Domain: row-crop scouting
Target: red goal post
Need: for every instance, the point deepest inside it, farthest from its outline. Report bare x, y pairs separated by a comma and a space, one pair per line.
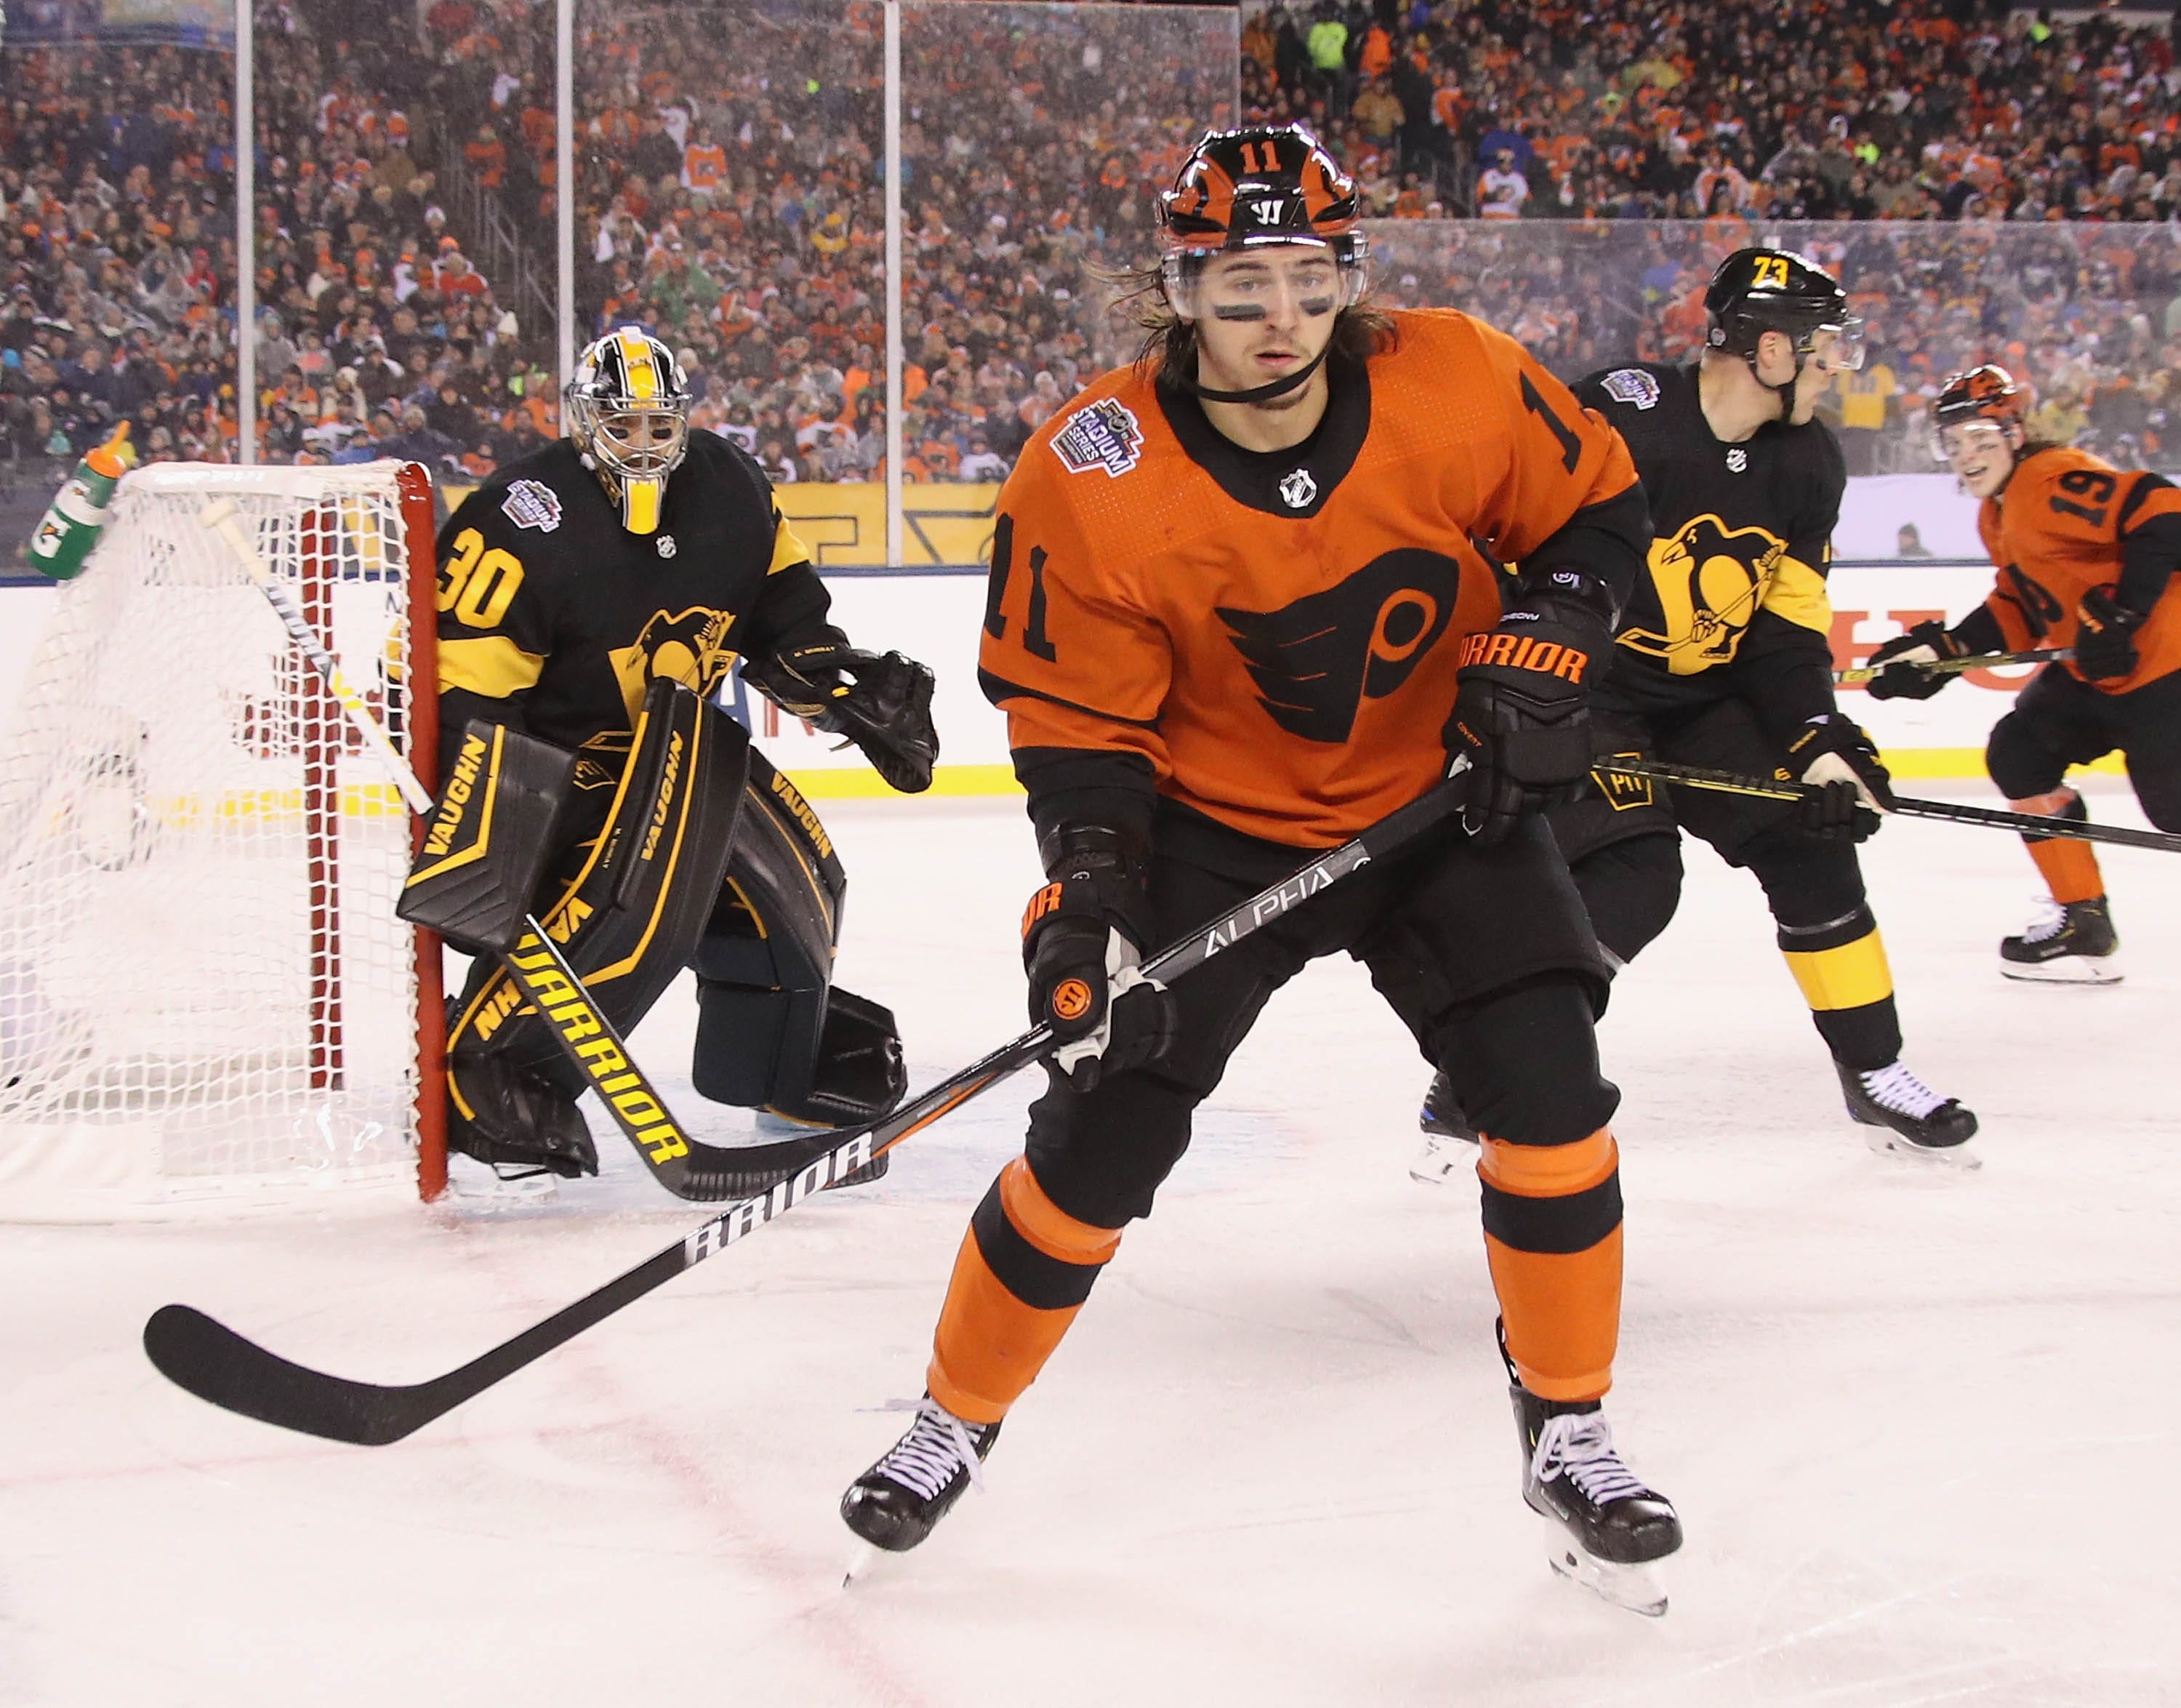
206, 998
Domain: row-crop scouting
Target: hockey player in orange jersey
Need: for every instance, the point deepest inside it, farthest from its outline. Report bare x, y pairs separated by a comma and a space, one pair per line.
2086, 557
1240, 608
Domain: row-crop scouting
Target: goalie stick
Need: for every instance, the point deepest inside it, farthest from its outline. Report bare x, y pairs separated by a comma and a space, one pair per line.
689, 1167
1954, 667
2027, 823
213, 1362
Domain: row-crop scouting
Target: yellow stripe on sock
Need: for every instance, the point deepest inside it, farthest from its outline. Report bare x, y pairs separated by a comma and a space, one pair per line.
1848, 977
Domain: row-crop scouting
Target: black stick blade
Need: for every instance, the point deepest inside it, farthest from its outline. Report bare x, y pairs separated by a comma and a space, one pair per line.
213, 1362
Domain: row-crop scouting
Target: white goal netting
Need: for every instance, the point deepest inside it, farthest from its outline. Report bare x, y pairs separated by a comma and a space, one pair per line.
204, 993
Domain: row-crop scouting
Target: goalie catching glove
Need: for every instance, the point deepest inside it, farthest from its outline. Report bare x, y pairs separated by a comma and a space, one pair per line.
881, 702
1082, 934
1521, 712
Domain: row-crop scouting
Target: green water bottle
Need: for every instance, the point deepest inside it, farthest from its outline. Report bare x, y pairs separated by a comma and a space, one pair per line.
70, 529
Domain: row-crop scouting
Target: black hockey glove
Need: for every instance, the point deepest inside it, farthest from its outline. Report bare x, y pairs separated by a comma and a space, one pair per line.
1848, 786
2105, 636
1081, 943
881, 702
1897, 661
1520, 727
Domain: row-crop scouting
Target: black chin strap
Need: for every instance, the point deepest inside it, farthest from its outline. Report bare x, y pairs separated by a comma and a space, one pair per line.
1258, 394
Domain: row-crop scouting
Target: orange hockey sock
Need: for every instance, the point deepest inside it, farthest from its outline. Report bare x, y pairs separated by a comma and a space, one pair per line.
2070, 867
1024, 1271
1552, 1235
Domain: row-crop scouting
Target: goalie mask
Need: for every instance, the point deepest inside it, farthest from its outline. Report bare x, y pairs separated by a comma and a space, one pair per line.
1252, 189
628, 412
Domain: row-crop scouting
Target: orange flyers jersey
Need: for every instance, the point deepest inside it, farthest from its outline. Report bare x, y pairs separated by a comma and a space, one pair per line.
2059, 528
1276, 634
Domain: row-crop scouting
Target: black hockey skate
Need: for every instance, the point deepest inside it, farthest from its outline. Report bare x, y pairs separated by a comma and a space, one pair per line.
916, 1482
1907, 1116
2070, 944
1446, 1131
1610, 1524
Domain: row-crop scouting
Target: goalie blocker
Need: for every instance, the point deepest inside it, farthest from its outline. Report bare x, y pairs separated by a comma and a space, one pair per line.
703, 857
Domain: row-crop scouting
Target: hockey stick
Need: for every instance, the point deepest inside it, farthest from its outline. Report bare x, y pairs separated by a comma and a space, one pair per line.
1954, 667
687, 1168
217, 1364
2027, 823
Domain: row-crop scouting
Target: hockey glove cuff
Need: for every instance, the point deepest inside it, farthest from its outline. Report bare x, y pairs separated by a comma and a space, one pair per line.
2105, 636
1848, 786
1927, 643
1521, 713
881, 702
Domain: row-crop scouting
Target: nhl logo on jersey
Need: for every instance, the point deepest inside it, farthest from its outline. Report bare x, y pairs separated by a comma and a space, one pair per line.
1737, 460
666, 545
1632, 385
1104, 435
532, 504
1297, 487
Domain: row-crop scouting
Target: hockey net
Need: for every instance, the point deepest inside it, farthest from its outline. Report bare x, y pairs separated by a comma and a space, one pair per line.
205, 996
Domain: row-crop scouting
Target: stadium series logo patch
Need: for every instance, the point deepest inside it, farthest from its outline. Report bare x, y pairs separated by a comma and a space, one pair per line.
1632, 385
532, 504
1104, 435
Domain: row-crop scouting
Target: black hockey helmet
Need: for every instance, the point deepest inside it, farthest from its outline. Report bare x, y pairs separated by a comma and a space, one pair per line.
1754, 291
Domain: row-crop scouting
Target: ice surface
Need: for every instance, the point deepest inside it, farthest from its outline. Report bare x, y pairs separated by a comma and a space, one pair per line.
1919, 1423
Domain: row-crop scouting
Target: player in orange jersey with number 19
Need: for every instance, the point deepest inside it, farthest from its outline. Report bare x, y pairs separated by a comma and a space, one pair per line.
1246, 600
2086, 557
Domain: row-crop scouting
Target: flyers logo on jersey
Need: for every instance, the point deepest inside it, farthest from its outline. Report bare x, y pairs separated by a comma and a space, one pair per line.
1103, 435
1316, 660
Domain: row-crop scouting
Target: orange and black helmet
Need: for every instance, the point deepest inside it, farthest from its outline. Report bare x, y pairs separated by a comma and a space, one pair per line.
1986, 395
1263, 184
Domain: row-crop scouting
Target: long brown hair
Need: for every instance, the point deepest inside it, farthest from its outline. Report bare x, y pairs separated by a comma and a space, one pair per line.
1360, 331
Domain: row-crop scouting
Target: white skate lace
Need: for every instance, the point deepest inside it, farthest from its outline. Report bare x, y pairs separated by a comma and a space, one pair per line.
1580, 1445
937, 1445
1897, 1089
2051, 919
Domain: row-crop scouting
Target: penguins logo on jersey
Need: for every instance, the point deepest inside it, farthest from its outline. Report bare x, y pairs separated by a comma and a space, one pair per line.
688, 647
1316, 660
1708, 579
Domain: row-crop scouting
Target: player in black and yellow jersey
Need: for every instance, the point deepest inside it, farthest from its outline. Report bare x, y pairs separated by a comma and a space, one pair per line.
631, 551
1724, 661
1237, 614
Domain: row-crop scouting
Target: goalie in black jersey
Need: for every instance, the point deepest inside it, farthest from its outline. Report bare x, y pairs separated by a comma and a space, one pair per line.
1724, 661
633, 552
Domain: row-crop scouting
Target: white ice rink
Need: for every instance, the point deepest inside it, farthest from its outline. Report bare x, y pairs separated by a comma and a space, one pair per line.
1920, 1425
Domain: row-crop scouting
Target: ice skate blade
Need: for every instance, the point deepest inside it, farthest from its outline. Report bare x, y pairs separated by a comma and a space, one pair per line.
2066, 970
1888, 1143
476, 1186
1439, 1160
1634, 1588
862, 1564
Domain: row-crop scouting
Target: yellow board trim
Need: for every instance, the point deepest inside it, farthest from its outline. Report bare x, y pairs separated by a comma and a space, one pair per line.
492, 666
859, 782
1854, 976
1967, 761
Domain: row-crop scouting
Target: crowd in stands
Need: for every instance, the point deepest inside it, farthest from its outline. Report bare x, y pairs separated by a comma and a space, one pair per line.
1567, 168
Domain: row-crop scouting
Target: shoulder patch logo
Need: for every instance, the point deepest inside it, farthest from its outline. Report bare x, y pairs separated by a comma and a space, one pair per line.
532, 504
1631, 386
1104, 435
1297, 489
1316, 660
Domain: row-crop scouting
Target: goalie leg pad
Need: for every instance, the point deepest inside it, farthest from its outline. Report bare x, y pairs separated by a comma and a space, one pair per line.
772, 1032
635, 908
491, 832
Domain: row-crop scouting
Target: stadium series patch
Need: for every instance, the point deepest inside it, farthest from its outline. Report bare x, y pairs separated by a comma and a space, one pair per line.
1632, 385
1104, 435
532, 504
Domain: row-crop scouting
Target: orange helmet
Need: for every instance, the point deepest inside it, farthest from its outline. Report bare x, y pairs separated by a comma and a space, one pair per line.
1985, 396
1251, 188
